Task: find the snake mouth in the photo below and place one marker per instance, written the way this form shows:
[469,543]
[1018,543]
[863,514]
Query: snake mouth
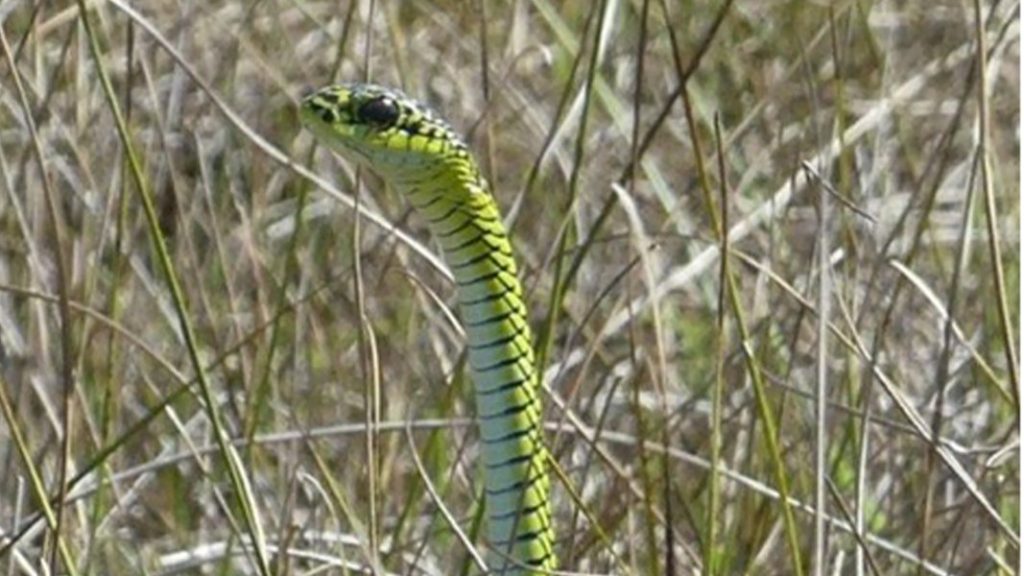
[341,137]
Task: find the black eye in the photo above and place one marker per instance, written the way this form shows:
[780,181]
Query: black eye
[381,111]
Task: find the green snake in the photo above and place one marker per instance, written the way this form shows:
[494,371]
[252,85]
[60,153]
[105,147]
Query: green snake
[418,154]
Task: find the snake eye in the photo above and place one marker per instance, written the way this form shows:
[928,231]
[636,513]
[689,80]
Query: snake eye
[380,111]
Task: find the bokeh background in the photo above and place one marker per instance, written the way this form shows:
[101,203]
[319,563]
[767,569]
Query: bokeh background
[206,269]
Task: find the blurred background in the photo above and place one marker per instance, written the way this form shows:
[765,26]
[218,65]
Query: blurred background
[220,366]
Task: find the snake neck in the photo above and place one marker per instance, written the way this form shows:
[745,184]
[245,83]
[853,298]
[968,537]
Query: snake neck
[463,216]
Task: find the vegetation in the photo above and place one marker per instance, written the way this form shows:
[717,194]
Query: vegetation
[224,351]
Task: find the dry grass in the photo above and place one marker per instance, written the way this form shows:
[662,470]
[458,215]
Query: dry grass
[866,127]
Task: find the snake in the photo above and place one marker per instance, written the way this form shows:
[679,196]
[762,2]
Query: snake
[419,155]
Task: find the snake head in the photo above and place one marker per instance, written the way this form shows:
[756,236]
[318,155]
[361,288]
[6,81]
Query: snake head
[382,128]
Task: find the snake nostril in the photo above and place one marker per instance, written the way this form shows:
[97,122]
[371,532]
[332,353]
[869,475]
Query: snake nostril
[326,113]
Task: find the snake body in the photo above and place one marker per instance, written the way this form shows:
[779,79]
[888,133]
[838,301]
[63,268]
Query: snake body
[419,155]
